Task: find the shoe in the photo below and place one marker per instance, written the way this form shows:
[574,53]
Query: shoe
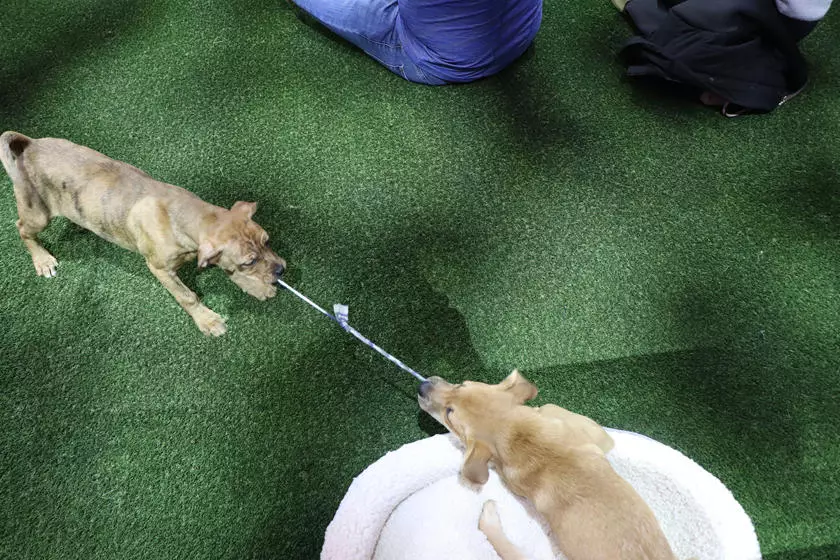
[790,96]
[731,110]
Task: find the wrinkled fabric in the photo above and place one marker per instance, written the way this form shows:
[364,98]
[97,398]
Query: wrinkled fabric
[741,50]
[464,40]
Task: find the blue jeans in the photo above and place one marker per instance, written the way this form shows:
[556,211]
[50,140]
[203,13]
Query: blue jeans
[371,26]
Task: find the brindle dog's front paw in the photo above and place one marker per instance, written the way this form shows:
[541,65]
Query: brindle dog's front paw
[45,264]
[209,322]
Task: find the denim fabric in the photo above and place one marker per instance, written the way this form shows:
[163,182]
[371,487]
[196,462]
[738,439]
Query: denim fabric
[434,41]
[371,26]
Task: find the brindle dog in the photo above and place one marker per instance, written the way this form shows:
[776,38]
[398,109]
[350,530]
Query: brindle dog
[166,224]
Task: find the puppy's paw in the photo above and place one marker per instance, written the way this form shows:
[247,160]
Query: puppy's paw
[489,519]
[45,264]
[209,322]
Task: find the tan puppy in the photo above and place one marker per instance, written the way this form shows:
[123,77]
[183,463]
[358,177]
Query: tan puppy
[554,458]
[166,224]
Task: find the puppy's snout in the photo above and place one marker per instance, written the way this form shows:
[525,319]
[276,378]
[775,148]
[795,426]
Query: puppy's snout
[424,389]
[279,269]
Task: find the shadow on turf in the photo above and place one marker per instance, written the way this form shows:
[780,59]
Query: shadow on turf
[737,377]
[365,406]
[748,399]
[812,200]
[355,405]
[538,116]
[818,553]
[760,396]
[538,120]
[94,26]
[429,425]
[676,101]
[71,243]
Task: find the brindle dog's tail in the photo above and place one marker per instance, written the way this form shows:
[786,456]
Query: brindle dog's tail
[12,146]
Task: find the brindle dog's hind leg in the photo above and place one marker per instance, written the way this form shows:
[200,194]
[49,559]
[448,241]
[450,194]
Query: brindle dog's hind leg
[33,213]
[29,225]
[33,217]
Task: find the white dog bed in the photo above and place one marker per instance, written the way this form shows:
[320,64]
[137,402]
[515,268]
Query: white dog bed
[410,505]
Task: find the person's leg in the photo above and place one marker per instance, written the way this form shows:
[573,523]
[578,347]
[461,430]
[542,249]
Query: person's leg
[371,26]
[359,21]
[414,73]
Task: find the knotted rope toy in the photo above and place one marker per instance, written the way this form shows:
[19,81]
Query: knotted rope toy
[341,316]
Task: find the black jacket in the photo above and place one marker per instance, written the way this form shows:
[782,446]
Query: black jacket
[742,50]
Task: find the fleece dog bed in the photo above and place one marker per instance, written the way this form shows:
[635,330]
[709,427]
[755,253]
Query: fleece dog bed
[409,505]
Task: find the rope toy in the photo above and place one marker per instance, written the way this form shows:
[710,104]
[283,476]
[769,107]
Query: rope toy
[341,316]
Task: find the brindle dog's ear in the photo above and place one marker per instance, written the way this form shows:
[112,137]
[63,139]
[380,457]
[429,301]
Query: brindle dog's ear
[522,389]
[247,208]
[208,254]
[475,468]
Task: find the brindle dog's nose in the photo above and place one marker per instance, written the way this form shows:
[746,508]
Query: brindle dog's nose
[424,389]
[279,269]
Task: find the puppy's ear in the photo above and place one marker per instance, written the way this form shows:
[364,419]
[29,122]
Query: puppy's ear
[475,468]
[522,389]
[208,254]
[247,208]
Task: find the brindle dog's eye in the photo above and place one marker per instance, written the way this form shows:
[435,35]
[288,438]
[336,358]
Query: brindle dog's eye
[448,412]
[252,262]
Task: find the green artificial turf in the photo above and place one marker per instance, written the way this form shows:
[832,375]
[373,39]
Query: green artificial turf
[642,259]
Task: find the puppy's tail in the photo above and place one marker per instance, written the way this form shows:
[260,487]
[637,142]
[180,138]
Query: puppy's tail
[12,146]
[490,524]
